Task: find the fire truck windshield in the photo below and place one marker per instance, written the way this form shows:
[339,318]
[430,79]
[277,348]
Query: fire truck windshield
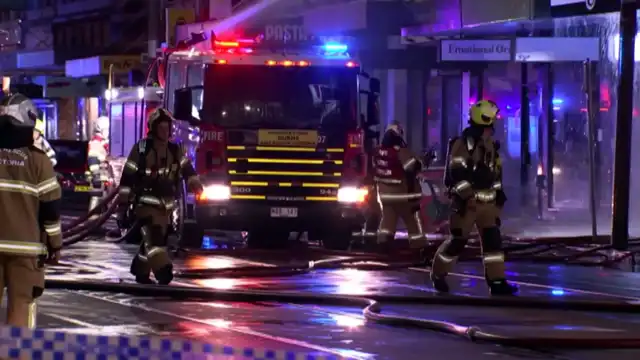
[241,96]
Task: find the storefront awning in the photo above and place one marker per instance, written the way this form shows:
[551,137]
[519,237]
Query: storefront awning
[100,65]
[502,18]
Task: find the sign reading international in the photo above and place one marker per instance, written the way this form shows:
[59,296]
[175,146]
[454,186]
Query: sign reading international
[475,50]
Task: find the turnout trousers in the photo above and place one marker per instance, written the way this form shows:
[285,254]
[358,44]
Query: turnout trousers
[153,255]
[483,216]
[23,278]
[409,212]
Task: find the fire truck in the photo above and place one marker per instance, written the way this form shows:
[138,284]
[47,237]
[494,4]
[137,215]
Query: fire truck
[283,141]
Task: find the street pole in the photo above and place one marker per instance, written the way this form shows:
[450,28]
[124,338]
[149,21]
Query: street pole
[622,160]
[525,156]
[592,109]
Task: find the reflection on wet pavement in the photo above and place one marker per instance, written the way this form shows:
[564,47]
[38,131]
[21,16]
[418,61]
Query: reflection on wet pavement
[325,329]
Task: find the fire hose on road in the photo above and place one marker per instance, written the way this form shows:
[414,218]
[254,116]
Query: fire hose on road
[372,304]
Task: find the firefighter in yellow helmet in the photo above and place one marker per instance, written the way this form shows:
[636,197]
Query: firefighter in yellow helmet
[41,142]
[399,192]
[473,179]
[29,203]
[150,182]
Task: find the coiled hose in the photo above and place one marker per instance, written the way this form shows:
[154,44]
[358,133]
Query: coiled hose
[81,230]
[80,220]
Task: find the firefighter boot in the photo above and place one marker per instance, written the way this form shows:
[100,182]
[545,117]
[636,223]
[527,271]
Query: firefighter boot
[164,275]
[138,267]
[440,283]
[501,287]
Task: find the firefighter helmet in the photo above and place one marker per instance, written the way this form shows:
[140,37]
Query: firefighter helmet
[40,126]
[394,136]
[102,125]
[19,111]
[483,113]
[396,128]
[157,116]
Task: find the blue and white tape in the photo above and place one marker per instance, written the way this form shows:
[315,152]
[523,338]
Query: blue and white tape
[39,344]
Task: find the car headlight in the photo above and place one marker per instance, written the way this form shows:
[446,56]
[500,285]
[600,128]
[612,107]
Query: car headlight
[215,193]
[352,195]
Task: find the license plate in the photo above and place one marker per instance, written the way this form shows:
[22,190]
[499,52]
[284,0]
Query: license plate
[280,212]
[80,188]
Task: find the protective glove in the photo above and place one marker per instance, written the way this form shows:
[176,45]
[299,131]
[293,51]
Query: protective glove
[122,218]
[501,199]
[458,204]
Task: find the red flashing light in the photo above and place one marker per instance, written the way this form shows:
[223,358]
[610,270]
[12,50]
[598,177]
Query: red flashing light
[351,64]
[288,63]
[221,61]
[303,63]
[271,63]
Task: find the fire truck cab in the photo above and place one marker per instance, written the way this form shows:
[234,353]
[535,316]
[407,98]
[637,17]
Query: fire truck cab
[284,139]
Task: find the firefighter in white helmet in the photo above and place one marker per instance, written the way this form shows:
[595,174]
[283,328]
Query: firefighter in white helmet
[29,203]
[97,158]
[399,192]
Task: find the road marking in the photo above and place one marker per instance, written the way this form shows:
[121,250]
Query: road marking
[71,320]
[246,331]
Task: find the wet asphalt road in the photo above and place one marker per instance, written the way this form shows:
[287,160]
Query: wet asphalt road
[339,330]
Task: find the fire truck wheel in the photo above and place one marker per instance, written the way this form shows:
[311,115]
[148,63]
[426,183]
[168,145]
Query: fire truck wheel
[337,239]
[268,239]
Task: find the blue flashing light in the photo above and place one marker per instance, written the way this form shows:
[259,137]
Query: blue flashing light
[557,101]
[335,47]
[557,292]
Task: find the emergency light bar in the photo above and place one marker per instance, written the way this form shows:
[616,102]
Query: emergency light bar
[133,94]
[231,51]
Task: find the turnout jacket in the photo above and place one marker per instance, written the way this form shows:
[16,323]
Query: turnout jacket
[153,171]
[395,170]
[29,203]
[44,145]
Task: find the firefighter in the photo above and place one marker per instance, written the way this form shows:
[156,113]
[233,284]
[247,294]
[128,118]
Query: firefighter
[29,203]
[472,177]
[150,181]
[97,160]
[399,192]
[41,142]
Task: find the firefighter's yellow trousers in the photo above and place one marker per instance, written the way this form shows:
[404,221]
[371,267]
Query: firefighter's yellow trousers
[153,254]
[23,277]
[409,212]
[484,217]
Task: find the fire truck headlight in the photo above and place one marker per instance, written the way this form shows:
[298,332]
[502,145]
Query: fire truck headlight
[215,193]
[352,195]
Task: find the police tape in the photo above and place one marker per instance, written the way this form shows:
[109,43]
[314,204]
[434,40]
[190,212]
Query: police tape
[22,343]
